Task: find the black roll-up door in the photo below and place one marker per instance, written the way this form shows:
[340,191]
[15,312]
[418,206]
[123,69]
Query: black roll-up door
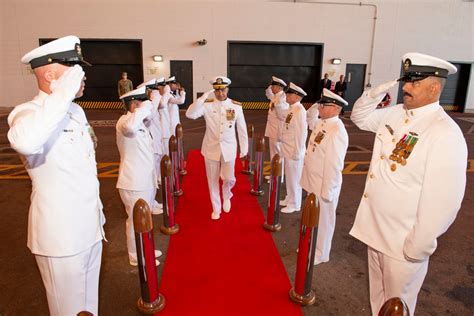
[251,65]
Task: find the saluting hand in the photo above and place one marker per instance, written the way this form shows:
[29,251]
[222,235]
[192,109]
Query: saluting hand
[69,83]
[382,89]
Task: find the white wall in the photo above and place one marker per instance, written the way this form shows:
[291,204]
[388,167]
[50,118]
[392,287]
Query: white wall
[170,28]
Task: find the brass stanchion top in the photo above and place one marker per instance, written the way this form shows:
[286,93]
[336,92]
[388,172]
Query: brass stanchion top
[142,221]
[179,131]
[173,144]
[249,130]
[260,145]
[165,166]
[276,165]
[310,216]
[394,306]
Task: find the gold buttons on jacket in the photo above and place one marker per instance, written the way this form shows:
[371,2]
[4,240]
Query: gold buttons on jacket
[371,176]
[382,157]
[366,195]
[393,167]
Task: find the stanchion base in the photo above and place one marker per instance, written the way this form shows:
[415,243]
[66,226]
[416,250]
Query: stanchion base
[303,300]
[169,230]
[246,172]
[183,172]
[178,193]
[151,308]
[272,228]
[257,193]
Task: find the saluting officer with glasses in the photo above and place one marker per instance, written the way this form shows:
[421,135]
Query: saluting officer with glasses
[416,179]
[323,165]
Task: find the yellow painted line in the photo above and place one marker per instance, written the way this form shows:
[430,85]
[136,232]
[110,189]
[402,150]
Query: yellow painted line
[19,173]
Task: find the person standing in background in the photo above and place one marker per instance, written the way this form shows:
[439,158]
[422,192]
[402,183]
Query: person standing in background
[124,85]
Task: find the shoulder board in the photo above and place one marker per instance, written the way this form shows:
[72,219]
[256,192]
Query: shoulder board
[237,103]
[209,100]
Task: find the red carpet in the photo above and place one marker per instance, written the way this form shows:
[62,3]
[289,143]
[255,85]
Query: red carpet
[225,267]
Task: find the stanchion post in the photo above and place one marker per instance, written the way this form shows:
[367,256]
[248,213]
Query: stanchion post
[169,226]
[151,300]
[181,163]
[173,145]
[273,210]
[302,293]
[258,172]
[394,306]
[248,168]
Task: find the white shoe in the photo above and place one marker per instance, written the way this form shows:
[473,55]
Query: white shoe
[283,202]
[288,210]
[157,208]
[226,205]
[215,216]
[134,263]
[158,253]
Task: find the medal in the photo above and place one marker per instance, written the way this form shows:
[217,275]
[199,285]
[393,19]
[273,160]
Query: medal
[393,167]
[230,114]
[289,117]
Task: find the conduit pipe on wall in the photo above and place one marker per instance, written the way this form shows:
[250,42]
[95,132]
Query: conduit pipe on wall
[372,44]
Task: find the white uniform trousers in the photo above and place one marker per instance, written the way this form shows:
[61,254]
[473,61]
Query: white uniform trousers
[129,198]
[166,146]
[224,169]
[275,148]
[326,225]
[390,277]
[72,282]
[158,158]
[294,169]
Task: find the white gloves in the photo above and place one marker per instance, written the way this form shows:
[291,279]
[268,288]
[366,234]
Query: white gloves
[167,89]
[380,90]
[69,83]
[206,95]
[147,105]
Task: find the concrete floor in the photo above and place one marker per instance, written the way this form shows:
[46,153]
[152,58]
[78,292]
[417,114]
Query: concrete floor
[341,285]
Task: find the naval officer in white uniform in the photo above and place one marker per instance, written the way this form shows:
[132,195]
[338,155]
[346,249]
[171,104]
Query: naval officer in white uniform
[323,165]
[219,146]
[52,136]
[416,180]
[178,96]
[154,125]
[137,173]
[274,93]
[293,144]
[165,116]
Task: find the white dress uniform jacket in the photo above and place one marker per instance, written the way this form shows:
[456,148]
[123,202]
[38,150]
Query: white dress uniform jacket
[294,130]
[135,145]
[52,136]
[324,158]
[405,208]
[165,119]
[322,173]
[176,99]
[274,124]
[222,117]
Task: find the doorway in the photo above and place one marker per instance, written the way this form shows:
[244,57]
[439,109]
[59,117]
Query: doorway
[183,71]
[355,76]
